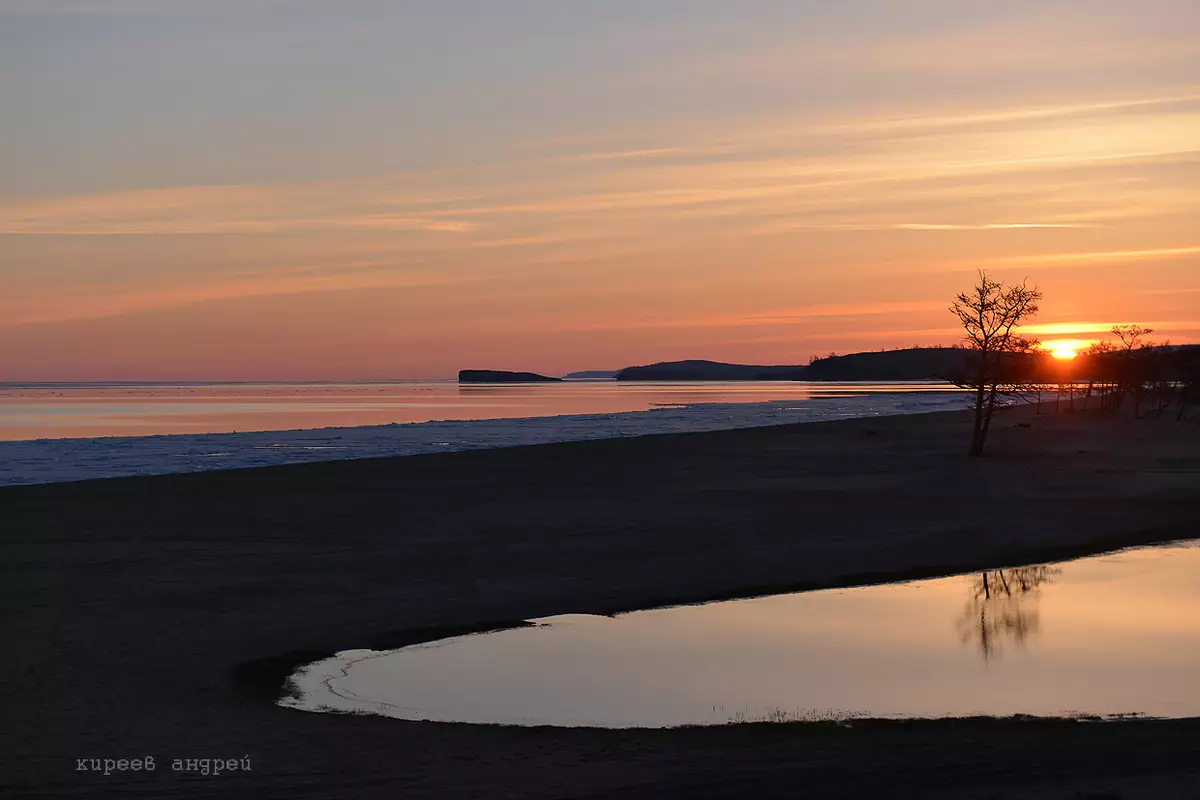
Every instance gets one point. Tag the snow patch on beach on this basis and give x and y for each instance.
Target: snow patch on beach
(56, 460)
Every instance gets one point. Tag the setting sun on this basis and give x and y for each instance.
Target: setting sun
(1065, 349)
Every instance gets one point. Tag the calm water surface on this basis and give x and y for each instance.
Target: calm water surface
(83, 410)
(1108, 635)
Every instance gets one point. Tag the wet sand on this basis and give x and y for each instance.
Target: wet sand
(157, 616)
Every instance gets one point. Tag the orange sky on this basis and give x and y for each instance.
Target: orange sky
(537, 193)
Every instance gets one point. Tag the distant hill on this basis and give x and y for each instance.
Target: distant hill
(501, 376)
(594, 374)
(709, 371)
(913, 364)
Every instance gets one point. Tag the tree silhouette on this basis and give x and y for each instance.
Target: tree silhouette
(1131, 336)
(1134, 364)
(990, 313)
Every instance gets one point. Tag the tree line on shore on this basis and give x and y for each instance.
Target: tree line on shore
(1131, 371)
(1128, 371)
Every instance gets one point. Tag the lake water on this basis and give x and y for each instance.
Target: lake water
(41, 411)
(67, 433)
(1110, 635)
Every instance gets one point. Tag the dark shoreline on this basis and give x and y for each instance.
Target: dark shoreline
(151, 615)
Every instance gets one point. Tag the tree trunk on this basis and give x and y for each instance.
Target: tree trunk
(978, 434)
(985, 406)
(989, 411)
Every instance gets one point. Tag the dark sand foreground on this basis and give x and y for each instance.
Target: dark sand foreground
(155, 616)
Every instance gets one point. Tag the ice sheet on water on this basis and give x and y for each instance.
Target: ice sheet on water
(55, 460)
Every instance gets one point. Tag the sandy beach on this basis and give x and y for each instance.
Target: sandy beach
(159, 616)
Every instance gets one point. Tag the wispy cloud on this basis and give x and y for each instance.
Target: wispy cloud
(193, 210)
(798, 225)
(996, 117)
(788, 316)
(652, 153)
(65, 308)
(1089, 258)
(792, 314)
(1077, 328)
(1177, 290)
(989, 226)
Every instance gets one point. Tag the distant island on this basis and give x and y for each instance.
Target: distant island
(502, 376)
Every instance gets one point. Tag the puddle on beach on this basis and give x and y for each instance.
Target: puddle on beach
(1108, 635)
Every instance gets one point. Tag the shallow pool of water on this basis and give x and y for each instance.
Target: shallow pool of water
(1108, 635)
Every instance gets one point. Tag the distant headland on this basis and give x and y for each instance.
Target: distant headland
(502, 376)
(697, 370)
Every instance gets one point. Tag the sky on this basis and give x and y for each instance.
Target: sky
(367, 189)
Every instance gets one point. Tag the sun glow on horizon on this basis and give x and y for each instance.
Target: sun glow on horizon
(1065, 349)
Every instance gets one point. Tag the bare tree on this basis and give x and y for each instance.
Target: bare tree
(990, 314)
(1133, 366)
(1131, 336)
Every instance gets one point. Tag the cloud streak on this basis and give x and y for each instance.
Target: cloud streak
(136, 300)
(212, 210)
(1084, 259)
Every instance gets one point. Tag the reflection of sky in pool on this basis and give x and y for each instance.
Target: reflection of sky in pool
(1108, 635)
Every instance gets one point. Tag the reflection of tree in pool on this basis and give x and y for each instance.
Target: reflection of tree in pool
(1003, 605)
